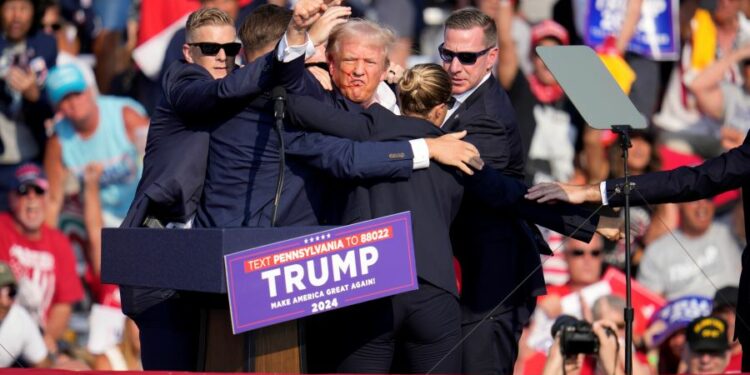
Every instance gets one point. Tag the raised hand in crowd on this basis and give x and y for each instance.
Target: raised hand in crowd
(23, 80)
(92, 214)
(450, 150)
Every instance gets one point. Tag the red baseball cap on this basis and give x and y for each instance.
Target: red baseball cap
(549, 29)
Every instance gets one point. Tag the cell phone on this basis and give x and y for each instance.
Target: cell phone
(20, 60)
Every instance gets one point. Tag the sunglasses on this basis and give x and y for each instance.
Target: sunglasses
(52, 26)
(12, 291)
(465, 58)
(25, 190)
(211, 49)
(579, 253)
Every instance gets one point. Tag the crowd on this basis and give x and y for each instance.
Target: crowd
(88, 140)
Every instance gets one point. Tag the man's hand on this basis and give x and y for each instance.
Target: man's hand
(91, 175)
(610, 351)
(321, 29)
(306, 12)
(322, 76)
(451, 150)
(731, 137)
(558, 191)
(23, 80)
(611, 228)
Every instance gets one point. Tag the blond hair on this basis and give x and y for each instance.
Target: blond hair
(469, 18)
(423, 87)
(205, 17)
(364, 31)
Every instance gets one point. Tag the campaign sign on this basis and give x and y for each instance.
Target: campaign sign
(656, 35)
(320, 272)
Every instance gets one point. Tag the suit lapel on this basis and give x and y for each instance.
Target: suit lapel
(454, 122)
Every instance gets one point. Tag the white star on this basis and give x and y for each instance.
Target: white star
(305, 240)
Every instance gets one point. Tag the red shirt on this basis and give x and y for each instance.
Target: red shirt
(44, 268)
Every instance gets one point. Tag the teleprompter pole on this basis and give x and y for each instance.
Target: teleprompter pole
(624, 132)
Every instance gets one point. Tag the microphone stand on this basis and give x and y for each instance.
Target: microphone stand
(624, 132)
(278, 95)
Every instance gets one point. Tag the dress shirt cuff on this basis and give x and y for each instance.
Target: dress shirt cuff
(421, 153)
(286, 53)
(603, 192)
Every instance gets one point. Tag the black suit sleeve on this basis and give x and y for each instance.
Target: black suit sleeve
(191, 90)
(344, 158)
(567, 219)
(312, 114)
(374, 123)
(725, 172)
(495, 189)
(495, 142)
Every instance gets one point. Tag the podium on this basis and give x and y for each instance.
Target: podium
(193, 260)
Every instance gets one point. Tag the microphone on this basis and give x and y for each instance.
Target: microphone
(278, 94)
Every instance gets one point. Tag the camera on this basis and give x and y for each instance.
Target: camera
(576, 336)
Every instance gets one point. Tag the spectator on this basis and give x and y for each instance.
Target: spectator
(25, 55)
(584, 268)
(646, 224)
(707, 346)
(666, 270)
(68, 42)
(111, 18)
(19, 333)
(545, 116)
(611, 308)
(725, 307)
(666, 331)
(124, 356)
(723, 101)
(105, 129)
(606, 357)
(711, 35)
(401, 16)
(585, 263)
(41, 257)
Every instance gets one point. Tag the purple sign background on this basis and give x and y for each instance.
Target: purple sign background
(657, 32)
(320, 272)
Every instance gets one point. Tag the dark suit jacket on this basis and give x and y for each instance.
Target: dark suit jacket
(433, 195)
(174, 166)
(172, 180)
(727, 171)
(243, 164)
(499, 252)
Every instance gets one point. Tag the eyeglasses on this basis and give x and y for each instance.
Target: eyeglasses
(211, 49)
(465, 58)
(25, 190)
(579, 253)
